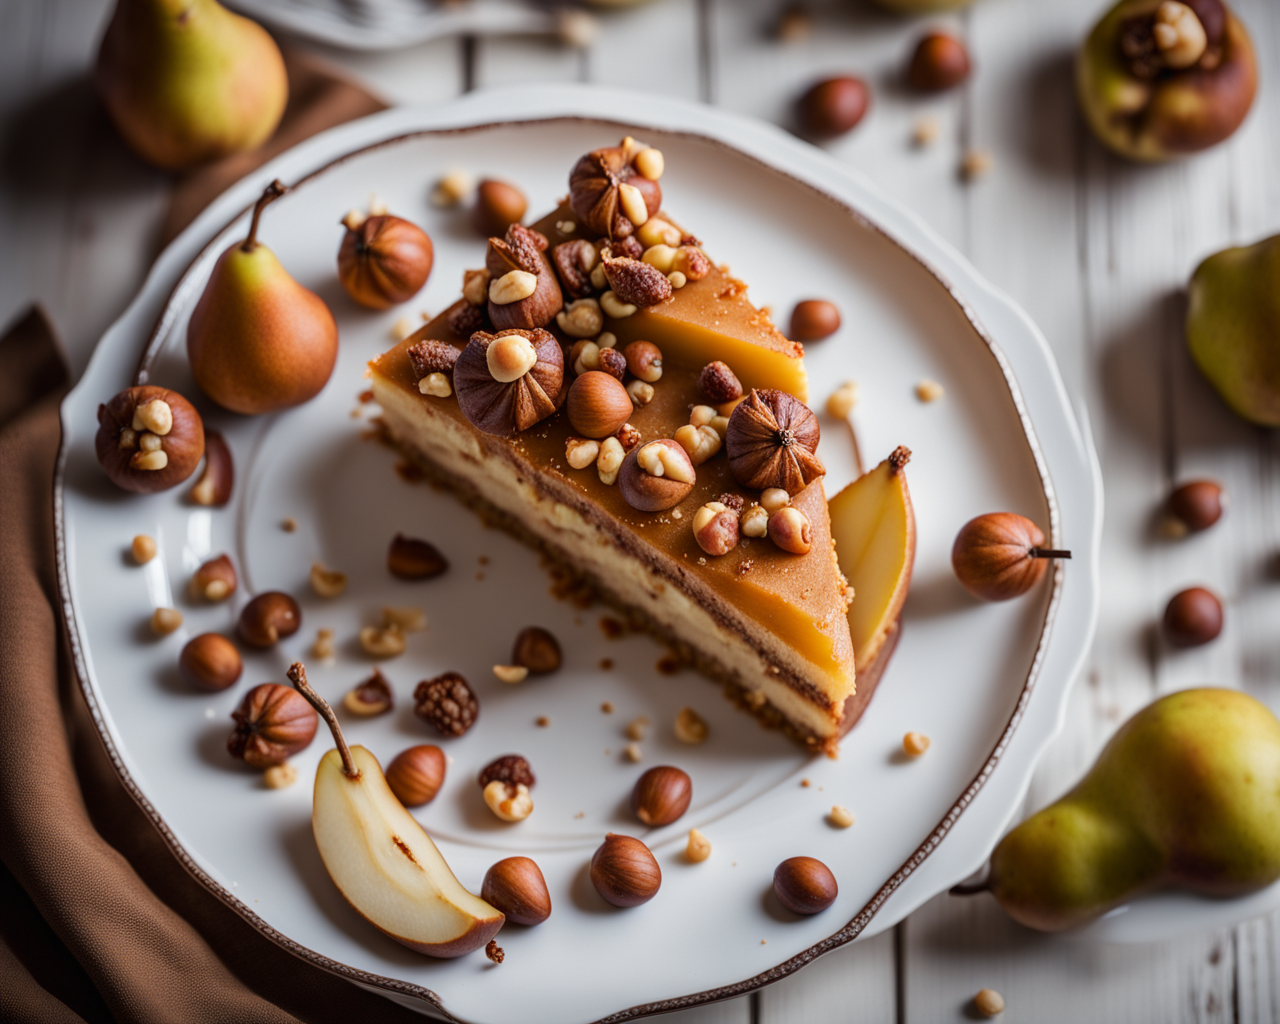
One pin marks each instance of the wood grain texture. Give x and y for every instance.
(1097, 250)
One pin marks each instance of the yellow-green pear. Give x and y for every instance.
(381, 859)
(1187, 794)
(1233, 328)
(259, 341)
(187, 81)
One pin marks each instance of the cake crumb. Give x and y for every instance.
(410, 472)
(925, 131)
(480, 576)
(764, 942)
(840, 817)
(977, 163)
(483, 559)
(581, 814)
(929, 390)
(494, 952)
(636, 727)
(611, 627)
(805, 783)
(607, 708)
(542, 721)
(633, 752)
(606, 664)
(366, 395)
(289, 524)
(677, 514)
(668, 665)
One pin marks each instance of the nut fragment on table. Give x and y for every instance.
(700, 442)
(929, 390)
(509, 802)
(754, 522)
(410, 558)
(383, 641)
(453, 188)
(371, 697)
(989, 1002)
(977, 163)
(323, 647)
(143, 549)
(914, 744)
(689, 726)
(215, 580)
(641, 392)
(406, 618)
(537, 649)
(842, 400)
(637, 727)
(447, 702)
(610, 459)
(511, 673)
(698, 848)
(925, 131)
(280, 776)
(165, 620)
(327, 582)
(840, 817)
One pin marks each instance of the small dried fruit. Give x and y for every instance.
(772, 441)
(636, 283)
(1192, 617)
(383, 260)
(215, 580)
(1198, 504)
(218, 479)
(661, 796)
(719, 383)
(624, 872)
(269, 618)
(516, 887)
(999, 556)
(598, 404)
(537, 650)
(273, 723)
(833, 106)
(369, 698)
(412, 559)
(506, 407)
(210, 662)
(448, 703)
(804, 885)
(134, 454)
(416, 775)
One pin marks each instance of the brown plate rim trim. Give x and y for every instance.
(391, 985)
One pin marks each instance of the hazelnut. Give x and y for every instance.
(610, 460)
(650, 163)
(698, 847)
(215, 580)
(840, 817)
(369, 698)
(754, 522)
(914, 744)
(216, 482)
(689, 727)
(661, 795)
(383, 260)
(659, 233)
(789, 528)
(143, 549)
(510, 357)
(584, 356)
(660, 256)
(280, 776)
(510, 802)
(598, 404)
(210, 662)
(804, 885)
(644, 360)
(581, 452)
(516, 887)
(940, 61)
(269, 618)
(448, 703)
(773, 499)
(1192, 617)
(149, 439)
(624, 872)
(1198, 504)
(327, 582)
(715, 528)
(612, 305)
(416, 775)
(537, 650)
(640, 392)
(1000, 556)
(165, 620)
(498, 206)
(581, 319)
(701, 443)
(833, 106)
(989, 1002)
(719, 383)
(412, 559)
(385, 641)
(656, 476)
(813, 320)
(273, 723)
(511, 673)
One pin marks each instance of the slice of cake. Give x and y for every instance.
(606, 393)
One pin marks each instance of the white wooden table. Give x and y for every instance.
(1096, 250)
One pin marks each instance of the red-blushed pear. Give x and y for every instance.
(259, 341)
(874, 527)
(380, 858)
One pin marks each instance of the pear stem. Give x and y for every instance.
(298, 676)
(1048, 553)
(269, 195)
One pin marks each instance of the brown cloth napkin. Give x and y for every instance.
(98, 920)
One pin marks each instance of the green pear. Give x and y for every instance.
(1233, 328)
(258, 341)
(187, 81)
(1187, 793)
(381, 859)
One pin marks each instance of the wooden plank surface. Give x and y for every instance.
(1096, 250)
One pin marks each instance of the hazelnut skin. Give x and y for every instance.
(647, 493)
(1198, 504)
(210, 662)
(498, 206)
(121, 448)
(415, 775)
(833, 106)
(516, 887)
(624, 872)
(661, 796)
(598, 405)
(804, 885)
(269, 618)
(940, 61)
(813, 320)
(1192, 617)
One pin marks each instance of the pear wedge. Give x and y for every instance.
(874, 527)
(380, 858)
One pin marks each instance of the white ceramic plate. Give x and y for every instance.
(986, 682)
(394, 24)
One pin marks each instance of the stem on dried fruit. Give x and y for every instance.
(298, 676)
(1048, 553)
(269, 195)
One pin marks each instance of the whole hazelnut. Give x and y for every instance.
(149, 439)
(1192, 617)
(833, 106)
(598, 404)
(269, 618)
(1198, 504)
(661, 795)
(624, 872)
(715, 528)
(940, 61)
(656, 476)
(409, 558)
(719, 383)
(383, 260)
(813, 320)
(498, 206)
(790, 529)
(804, 885)
(210, 662)
(1000, 556)
(516, 887)
(273, 723)
(416, 775)
(644, 360)
(537, 650)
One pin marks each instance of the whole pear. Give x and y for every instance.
(1233, 328)
(187, 81)
(1187, 793)
(259, 341)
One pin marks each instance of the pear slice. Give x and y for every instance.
(874, 527)
(380, 858)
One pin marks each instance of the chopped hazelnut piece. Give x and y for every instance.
(989, 1002)
(689, 727)
(511, 673)
(435, 385)
(636, 728)
(641, 392)
(700, 442)
(382, 641)
(165, 620)
(612, 305)
(754, 522)
(323, 647)
(840, 817)
(581, 452)
(280, 776)
(842, 400)
(977, 163)
(289, 524)
(698, 848)
(929, 390)
(773, 499)
(914, 744)
(406, 618)
(925, 131)
(143, 548)
(402, 328)
(607, 708)
(633, 752)
(327, 582)
(453, 188)
(509, 802)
